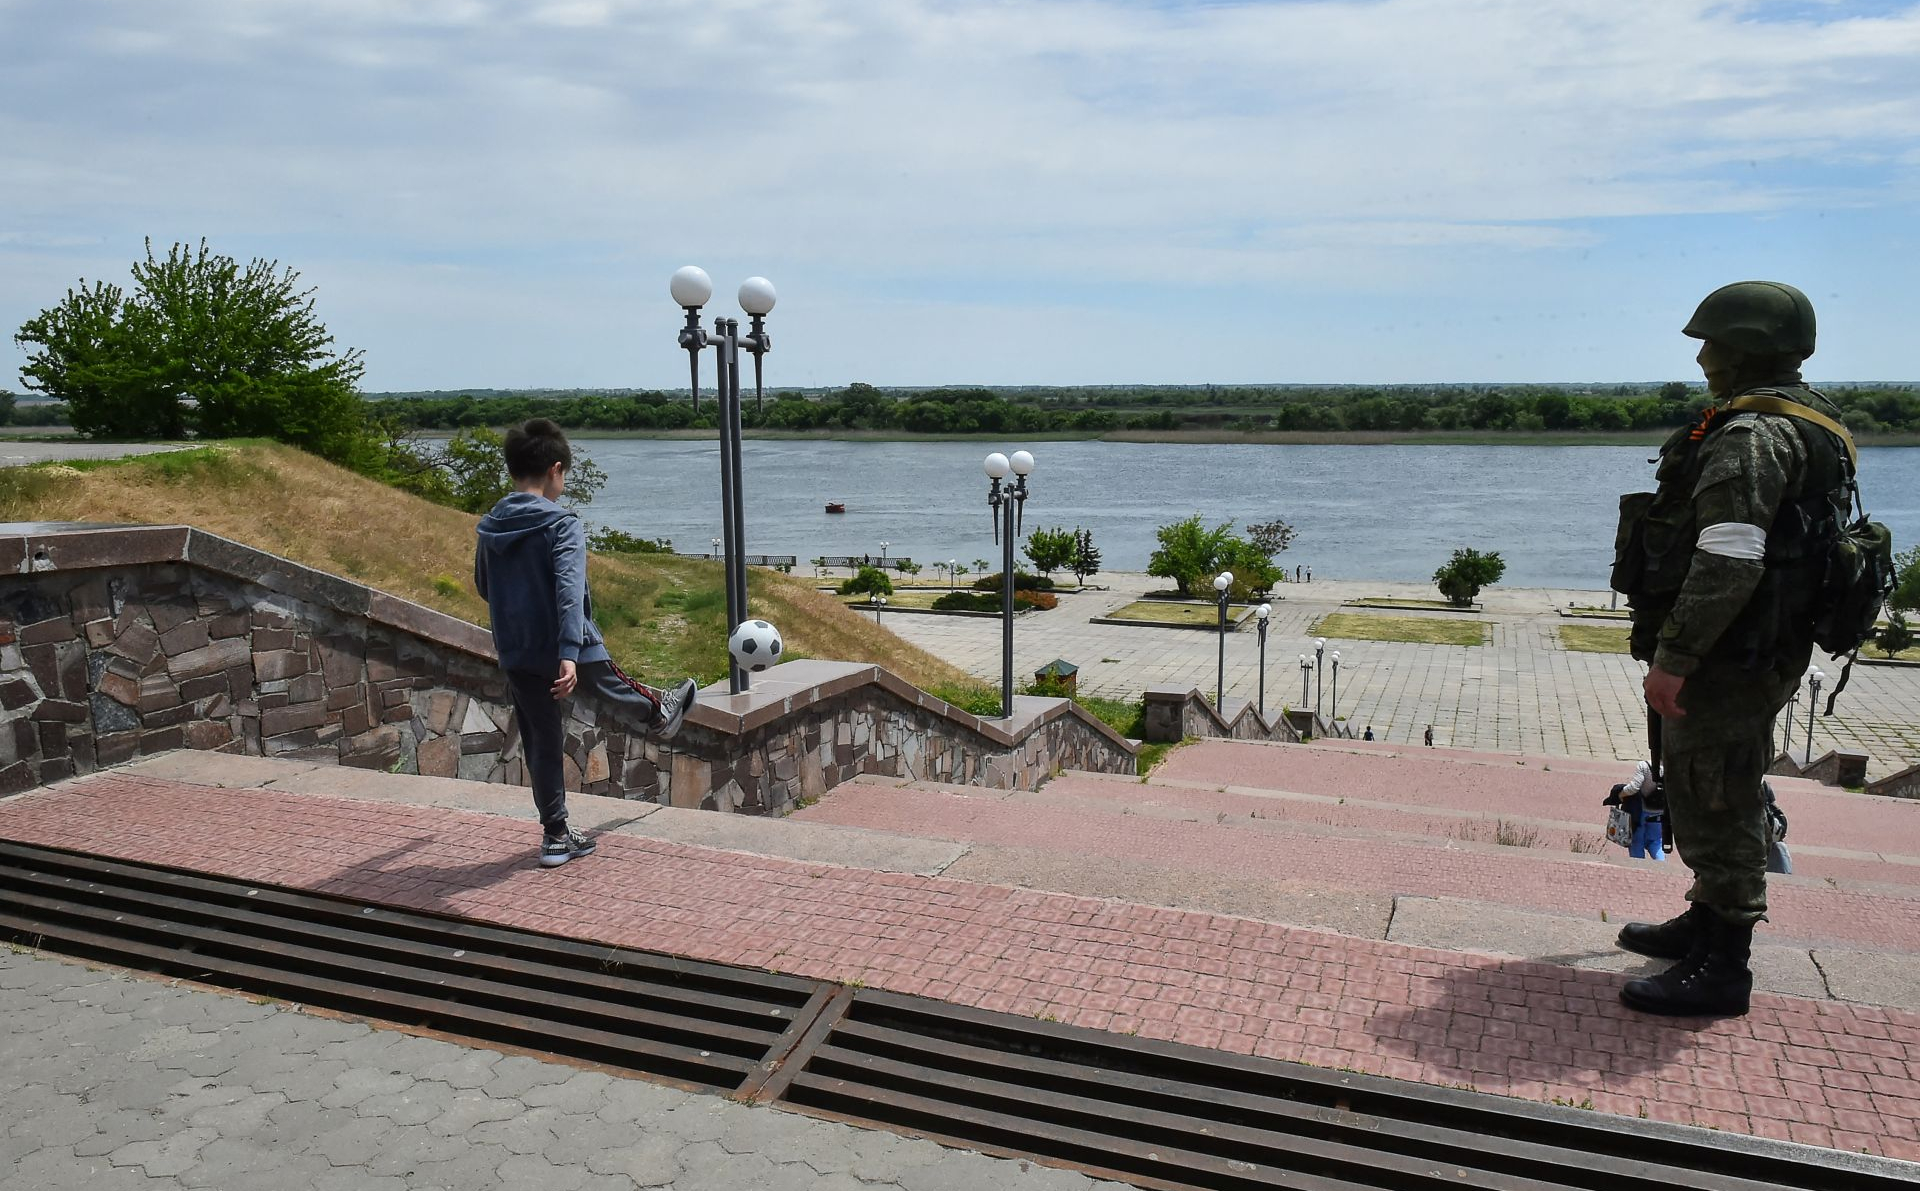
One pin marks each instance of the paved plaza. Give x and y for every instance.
(111, 1081)
(1521, 693)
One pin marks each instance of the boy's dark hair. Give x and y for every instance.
(534, 447)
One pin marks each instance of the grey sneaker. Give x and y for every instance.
(558, 849)
(674, 705)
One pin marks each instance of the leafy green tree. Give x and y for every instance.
(1050, 549)
(1190, 554)
(6, 407)
(1461, 579)
(200, 342)
(868, 581)
(1254, 570)
(608, 540)
(474, 469)
(1271, 537)
(906, 566)
(1906, 580)
(1897, 635)
(1086, 556)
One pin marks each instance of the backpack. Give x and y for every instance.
(1857, 573)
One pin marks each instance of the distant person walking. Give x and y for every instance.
(1369, 734)
(1309, 574)
(1429, 735)
(1296, 572)
(531, 568)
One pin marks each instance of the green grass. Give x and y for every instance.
(901, 598)
(1166, 612)
(1421, 630)
(1390, 602)
(1594, 638)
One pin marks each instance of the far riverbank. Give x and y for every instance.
(1348, 438)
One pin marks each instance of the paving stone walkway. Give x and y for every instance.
(118, 1082)
(1821, 1072)
(1523, 692)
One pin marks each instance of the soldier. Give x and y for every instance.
(1722, 567)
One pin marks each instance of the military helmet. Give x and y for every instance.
(1758, 318)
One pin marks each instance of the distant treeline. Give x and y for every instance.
(1246, 408)
(32, 413)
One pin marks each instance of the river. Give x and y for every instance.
(1361, 512)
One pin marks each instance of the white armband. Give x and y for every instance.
(1732, 539)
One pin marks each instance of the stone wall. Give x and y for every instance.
(1179, 713)
(120, 641)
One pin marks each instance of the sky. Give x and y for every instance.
(493, 193)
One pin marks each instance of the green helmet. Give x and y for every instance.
(1758, 318)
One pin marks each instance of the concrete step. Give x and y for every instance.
(1522, 822)
(1819, 815)
(1803, 909)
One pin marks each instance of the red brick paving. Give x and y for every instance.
(1821, 1072)
(1798, 908)
(1818, 815)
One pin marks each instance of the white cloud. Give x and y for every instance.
(1373, 147)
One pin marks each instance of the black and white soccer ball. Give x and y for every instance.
(755, 645)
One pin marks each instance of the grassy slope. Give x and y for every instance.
(662, 615)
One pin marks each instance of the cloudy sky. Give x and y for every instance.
(493, 193)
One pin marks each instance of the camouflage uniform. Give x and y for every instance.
(1722, 567)
(1742, 658)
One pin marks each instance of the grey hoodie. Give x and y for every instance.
(531, 568)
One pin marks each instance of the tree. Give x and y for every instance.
(1271, 537)
(906, 566)
(1050, 549)
(1086, 556)
(6, 407)
(200, 342)
(1898, 634)
(1461, 579)
(1906, 580)
(1190, 554)
(474, 469)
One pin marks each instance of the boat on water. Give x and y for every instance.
(834, 506)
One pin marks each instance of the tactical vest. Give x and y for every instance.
(1654, 545)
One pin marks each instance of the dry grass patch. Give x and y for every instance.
(1420, 630)
(663, 616)
(1594, 638)
(1168, 611)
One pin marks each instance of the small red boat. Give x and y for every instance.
(834, 506)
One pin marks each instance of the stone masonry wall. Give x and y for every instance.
(1179, 713)
(216, 646)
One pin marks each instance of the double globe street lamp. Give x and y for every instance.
(1006, 498)
(1222, 584)
(691, 288)
(1264, 612)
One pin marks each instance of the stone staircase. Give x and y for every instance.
(1442, 848)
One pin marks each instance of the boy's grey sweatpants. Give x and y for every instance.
(543, 737)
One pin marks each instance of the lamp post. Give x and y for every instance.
(715, 551)
(1306, 674)
(951, 563)
(1222, 583)
(691, 287)
(1007, 498)
(1264, 612)
(883, 554)
(1319, 654)
(1813, 680)
(878, 601)
(1333, 708)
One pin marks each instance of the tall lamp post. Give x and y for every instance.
(1333, 708)
(879, 601)
(1222, 583)
(1813, 680)
(1263, 612)
(1319, 656)
(1007, 498)
(691, 287)
(883, 554)
(715, 551)
(951, 563)
(1306, 674)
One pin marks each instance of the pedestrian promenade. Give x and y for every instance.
(1824, 1072)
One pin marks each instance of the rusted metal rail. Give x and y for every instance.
(1154, 1114)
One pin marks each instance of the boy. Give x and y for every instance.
(531, 568)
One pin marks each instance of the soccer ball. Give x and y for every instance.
(755, 645)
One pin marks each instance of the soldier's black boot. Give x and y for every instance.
(1713, 981)
(1672, 939)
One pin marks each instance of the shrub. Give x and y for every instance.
(613, 541)
(1461, 579)
(868, 581)
(1906, 580)
(1042, 600)
(967, 601)
(1896, 636)
(1021, 582)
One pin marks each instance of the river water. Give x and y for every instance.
(1361, 512)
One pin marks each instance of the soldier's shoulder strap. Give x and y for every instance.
(1763, 403)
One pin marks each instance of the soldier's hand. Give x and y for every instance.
(1663, 692)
